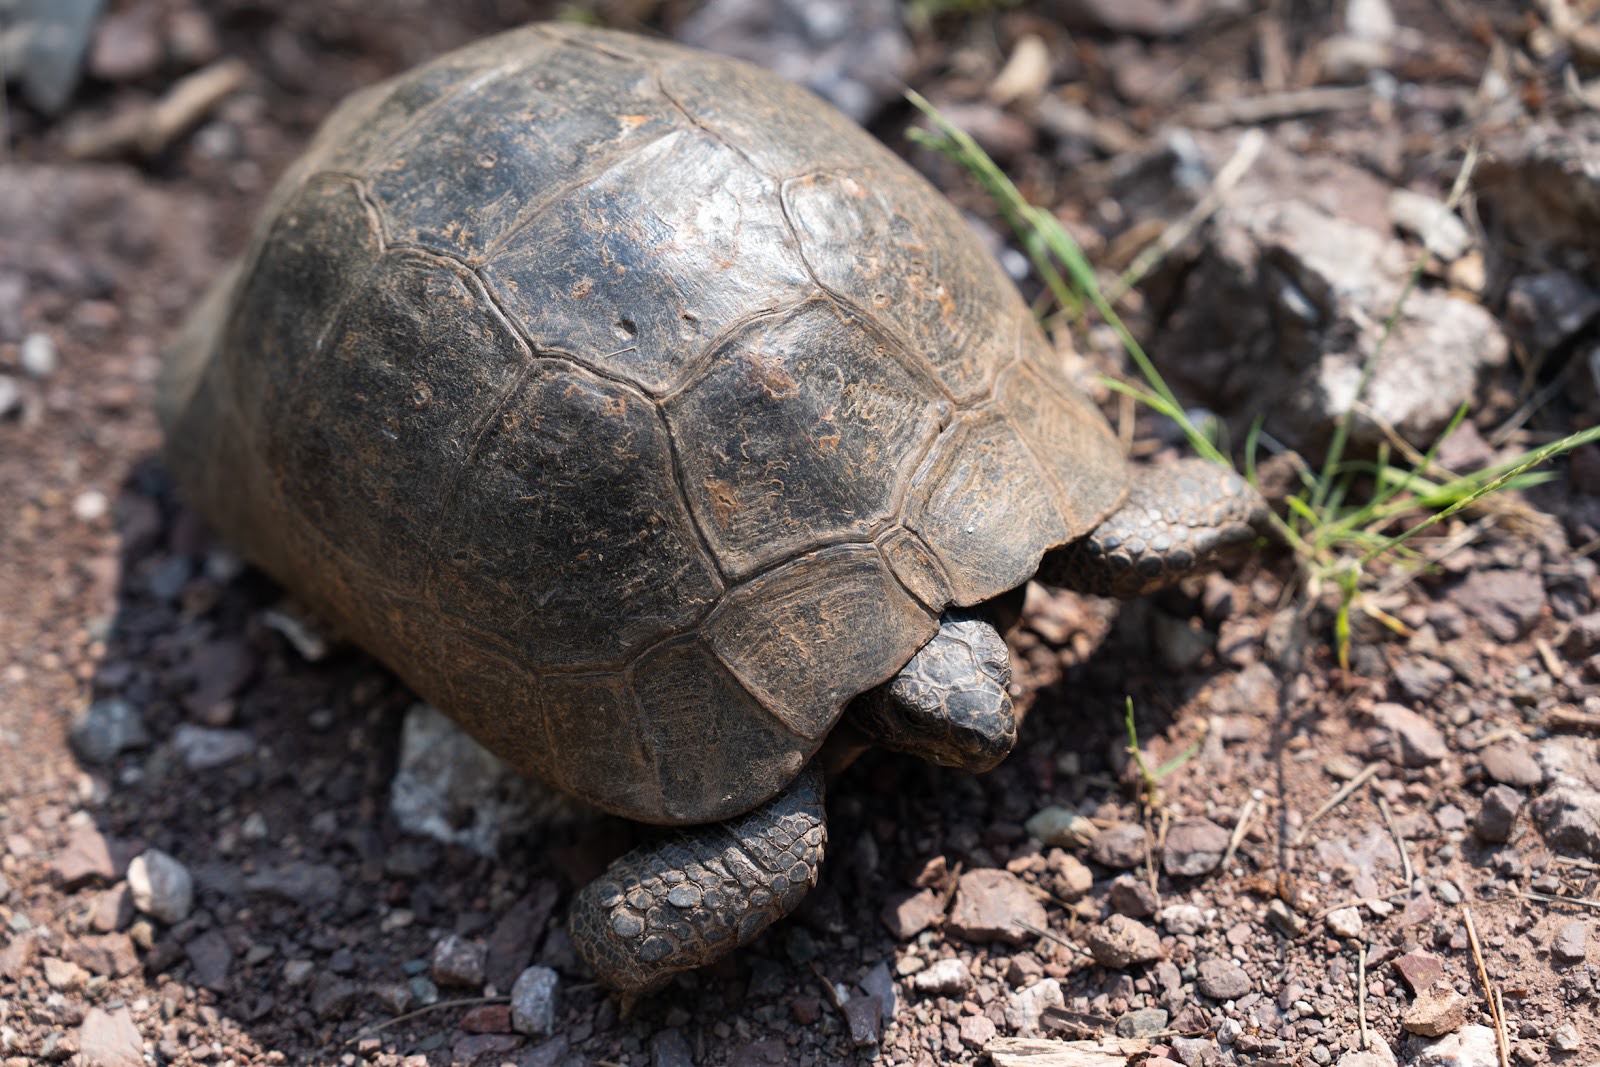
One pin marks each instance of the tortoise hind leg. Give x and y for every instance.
(951, 703)
(1183, 518)
(700, 893)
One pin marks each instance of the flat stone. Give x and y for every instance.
(477, 1048)
(1182, 919)
(1498, 814)
(1142, 1022)
(1025, 1008)
(162, 887)
(459, 961)
(1472, 1046)
(1419, 970)
(62, 975)
(1379, 1055)
(942, 978)
(212, 958)
(110, 1039)
(112, 955)
(993, 905)
(85, 858)
(1222, 979)
(487, 1019)
(1438, 1010)
(533, 1001)
(1121, 846)
(668, 1048)
(1571, 943)
(1566, 1038)
(907, 914)
(307, 884)
(516, 936)
(1193, 847)
(1569, 816)
(332, 997)
(206, 748)
(976, 1031)
(1415, 742)
(878, 982)
(864, 1016)
(113, 909)
(1122, 942)
(1512, 765)
(1508, 604)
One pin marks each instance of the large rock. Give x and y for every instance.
(994, 905)
(1471, 1046)
(110, 1039)
(1288, 301)
(1122, 942)
(1569, 815)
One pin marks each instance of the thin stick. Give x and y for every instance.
(1488, 989)
(1399, 842)
(465, 1002)
(1359, 902)
(1250, 110)
(1361, 991)
(1338, 798)
(1546, 898)
(1501, 1037)
(1240, 828)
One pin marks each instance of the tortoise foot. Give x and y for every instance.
(698, 894)
(1183, 518)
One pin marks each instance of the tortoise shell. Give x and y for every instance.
(634, 406)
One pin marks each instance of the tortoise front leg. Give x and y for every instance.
(1183, 518)
(951, 704)
(700, 893)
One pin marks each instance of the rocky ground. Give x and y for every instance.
(224, 839)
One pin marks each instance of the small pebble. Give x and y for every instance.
(162, 887)
(533, 1001)
(38, 357)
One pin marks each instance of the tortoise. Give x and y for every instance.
(652, 419)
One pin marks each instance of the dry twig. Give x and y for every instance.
(1488, 990)
(1399, 841)
(1240, 828)
(151, 129)
(1361, 991)
(1338, 798)
(1251, 110)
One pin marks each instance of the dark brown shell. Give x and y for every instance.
(632, 405)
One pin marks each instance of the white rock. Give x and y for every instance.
(205, 748)
(1061, 826)
(1025, 1010)
(1428, 218)
(1346, 922)
(1379, 1055)
(943, 977)
(38, 357)
(162, 887)
(1471, 1046)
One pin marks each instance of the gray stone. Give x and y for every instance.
(1569, 816)
(52, 51)
(533, 1001)
(942, 978)
(879, 983)
(994, 905)
(205, 748)
(1508, 604)
(162, 887)
(1193, 847)
(1566, 1038)
(1414, 741)
(309, 885)
(1142, 1022)
(1379, 1055)
(452, 789)
(110, 1039)
(1182, 919)
(1498, 814)
(1546, 309)
(1121, 846)
(1472, 1046)
(332, 997)
(106, 728)
(210, 960)
(1065, 876)
(669, 1049)
(1122, 942)
(1428, 218)
(1222, 979)
(864, 1017)
(1571, 943)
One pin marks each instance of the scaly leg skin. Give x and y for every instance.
(1183, 518)
(700, 893)
(950, 705)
